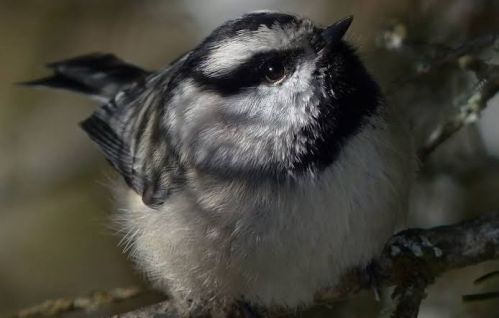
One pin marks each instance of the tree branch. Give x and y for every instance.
(428, 57)
(434, 57)
(469, 112)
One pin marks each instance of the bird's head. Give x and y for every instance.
(269, 94)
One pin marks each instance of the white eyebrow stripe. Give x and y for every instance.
(227, 55)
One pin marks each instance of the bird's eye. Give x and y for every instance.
(274, 71)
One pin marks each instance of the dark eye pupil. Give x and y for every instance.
(274, 71)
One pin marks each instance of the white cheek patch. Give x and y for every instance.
(291, 98)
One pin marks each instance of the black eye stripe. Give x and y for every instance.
(248, 74)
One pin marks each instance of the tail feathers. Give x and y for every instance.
(99, 75)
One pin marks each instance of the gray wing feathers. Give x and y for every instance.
(127, 128)
(130, 133)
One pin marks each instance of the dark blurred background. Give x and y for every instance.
(55, 236)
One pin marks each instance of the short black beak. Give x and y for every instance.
(335, 32)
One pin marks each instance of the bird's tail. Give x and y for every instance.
(98, 75)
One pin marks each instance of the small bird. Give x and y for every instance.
(259, 167)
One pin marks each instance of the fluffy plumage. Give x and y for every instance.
(246, 187)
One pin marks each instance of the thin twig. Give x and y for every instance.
(486, 277)
(481, 296)
(470, 111)
(90, 302)
(429, 57)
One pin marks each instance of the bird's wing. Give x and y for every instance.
(130, 132)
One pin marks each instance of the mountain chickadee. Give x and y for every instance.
(260, 166)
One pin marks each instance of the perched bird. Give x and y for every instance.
(260, 166)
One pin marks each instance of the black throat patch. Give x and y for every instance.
(350, 97)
